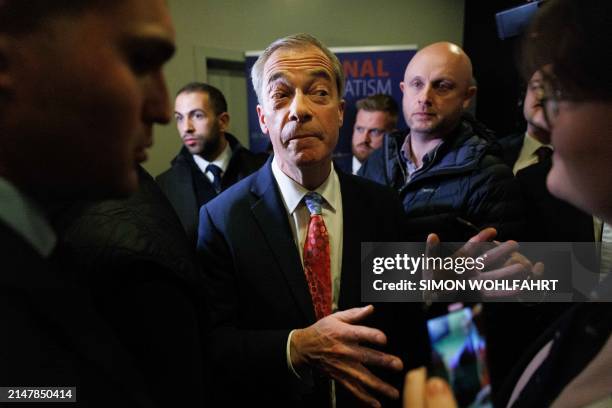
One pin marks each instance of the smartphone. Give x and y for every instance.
(459, 354)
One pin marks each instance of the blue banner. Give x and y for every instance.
(368, 71)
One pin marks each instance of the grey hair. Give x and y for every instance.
(301, 40)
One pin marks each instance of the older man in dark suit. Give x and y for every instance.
(282, 251)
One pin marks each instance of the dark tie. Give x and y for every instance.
(216, 172)
(316, 258)
(544, 153)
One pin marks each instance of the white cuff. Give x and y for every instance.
(289, 355)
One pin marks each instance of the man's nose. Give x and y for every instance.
(156, 100)
(425, 94)
(299, 109)
(188, 125)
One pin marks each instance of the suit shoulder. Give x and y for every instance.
(370, 190)
(168, 177)
(237, 195)
(375, 163)
(492, 163)
(164, 175)
(511, 141)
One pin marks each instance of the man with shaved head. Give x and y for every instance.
(444, 166)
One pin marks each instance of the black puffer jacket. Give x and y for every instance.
(134, 258)
(461, 178)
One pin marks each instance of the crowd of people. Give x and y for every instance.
(233, 278)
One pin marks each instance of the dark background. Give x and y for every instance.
(500, 87)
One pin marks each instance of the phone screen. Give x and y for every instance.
(459, 355)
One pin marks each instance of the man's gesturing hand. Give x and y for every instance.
(333, 345)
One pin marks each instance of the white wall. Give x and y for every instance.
(241, 25)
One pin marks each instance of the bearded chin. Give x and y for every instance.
(211, 146)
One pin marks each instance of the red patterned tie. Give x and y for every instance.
(316, 257)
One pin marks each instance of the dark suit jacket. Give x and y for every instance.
(52, 335)
(258, 291)
(548, 218)
(578, 336)
(188, 188)
(134, 259)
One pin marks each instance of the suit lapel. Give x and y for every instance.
(184, 197)
(511, 147)
(272, 219)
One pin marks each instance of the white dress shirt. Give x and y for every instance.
(26, 218)
(222, 161)
(527, 156)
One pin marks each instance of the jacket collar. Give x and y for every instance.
(460, 152)
(184, 157)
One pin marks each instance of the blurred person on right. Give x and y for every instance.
(514, 327)
(529, 154)
(376, 116)
(569, 364)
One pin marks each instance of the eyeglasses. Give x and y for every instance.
(549, 98)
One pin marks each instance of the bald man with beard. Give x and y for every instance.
(445, 166)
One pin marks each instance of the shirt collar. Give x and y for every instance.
(222, 161)
(356, 165)
(531, 144)
(405, 152)
(26, 218)
(293, 193)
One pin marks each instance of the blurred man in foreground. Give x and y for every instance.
(81, 86)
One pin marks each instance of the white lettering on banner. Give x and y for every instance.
(358, 88)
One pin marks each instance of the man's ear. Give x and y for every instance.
(402, 86)
(224, 120)
(469, 95)
(262, 120)
(341, 106)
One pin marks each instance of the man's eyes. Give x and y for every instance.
(438, 86)
(416, 84)
(145, 60)
(279, 95)
(145, 55)
(373, 132)
(444, 86)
